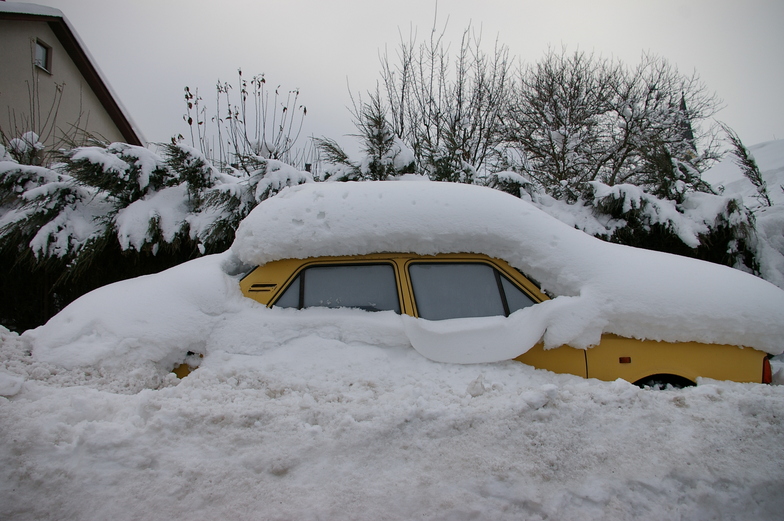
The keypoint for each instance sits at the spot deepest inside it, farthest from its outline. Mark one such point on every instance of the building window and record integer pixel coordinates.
(43, 56)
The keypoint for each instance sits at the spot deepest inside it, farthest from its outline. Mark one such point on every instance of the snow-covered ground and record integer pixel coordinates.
(350, 424)
(330, 414)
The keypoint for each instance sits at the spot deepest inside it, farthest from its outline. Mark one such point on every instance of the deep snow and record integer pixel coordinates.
(339, 422)
(330, 414)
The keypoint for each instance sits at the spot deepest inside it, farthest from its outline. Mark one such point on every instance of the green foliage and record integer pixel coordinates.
(125, 172)
(645, 221)
(378, 139)
(667, 177)
(511, 183)
(190, 167)
(383, 151)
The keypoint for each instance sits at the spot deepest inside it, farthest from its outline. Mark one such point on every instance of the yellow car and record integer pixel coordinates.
(454, 286)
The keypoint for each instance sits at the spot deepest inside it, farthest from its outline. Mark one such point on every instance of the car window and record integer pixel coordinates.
(371, 287)
(516, 299)
(460, 290)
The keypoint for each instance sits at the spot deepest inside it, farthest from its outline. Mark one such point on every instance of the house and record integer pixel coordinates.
(49, 83)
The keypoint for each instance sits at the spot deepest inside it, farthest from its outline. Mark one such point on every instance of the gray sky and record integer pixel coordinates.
(150, 49)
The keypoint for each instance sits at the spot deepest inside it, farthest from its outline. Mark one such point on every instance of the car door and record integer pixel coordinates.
(453, 287)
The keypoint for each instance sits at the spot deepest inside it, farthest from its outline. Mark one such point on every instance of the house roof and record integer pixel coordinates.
(81, 57)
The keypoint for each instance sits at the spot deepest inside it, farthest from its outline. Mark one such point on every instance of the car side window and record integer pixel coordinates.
(460, 290)
(371, 287)
(515, 297)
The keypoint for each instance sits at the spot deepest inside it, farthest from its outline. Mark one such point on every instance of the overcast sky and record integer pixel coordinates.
(150, 49)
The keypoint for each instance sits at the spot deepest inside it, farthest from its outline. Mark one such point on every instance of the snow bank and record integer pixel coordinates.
(615, 289)
(329, 414)
(342, 420)
(154, 321)
(151, 320)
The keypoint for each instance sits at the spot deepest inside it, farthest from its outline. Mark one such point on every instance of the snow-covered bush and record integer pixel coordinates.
(257, 124)
(26, 149)
(710, 227)
(191, 167)
(384, 153)
(756, 175)
(124, 172)
(229, 201)
(114, 211)
(511, 183)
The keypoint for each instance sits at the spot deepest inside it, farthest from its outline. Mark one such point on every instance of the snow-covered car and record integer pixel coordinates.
(477, 275)
(460, 286)
(473, 275)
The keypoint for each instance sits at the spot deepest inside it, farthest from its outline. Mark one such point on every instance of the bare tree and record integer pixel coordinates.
(448, 110)
(576, 118)
(33, 135)
(267, 126)
(557, 119)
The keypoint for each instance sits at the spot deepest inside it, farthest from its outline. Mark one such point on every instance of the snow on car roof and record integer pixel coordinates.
(600, 287)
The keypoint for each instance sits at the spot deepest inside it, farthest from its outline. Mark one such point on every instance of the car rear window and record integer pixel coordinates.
(460, 290)
(371, 287)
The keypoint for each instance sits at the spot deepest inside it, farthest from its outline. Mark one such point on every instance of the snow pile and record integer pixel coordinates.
(602, 287)
(334, 417)
(152, 320)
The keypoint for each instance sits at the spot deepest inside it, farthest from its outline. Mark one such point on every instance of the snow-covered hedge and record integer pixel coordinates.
(104, 206)
(109, 212)
(143, 199)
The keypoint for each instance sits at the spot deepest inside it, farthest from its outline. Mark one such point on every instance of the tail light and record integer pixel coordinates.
(767, 372)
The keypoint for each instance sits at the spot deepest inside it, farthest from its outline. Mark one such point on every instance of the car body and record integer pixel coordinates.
(455, 286)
